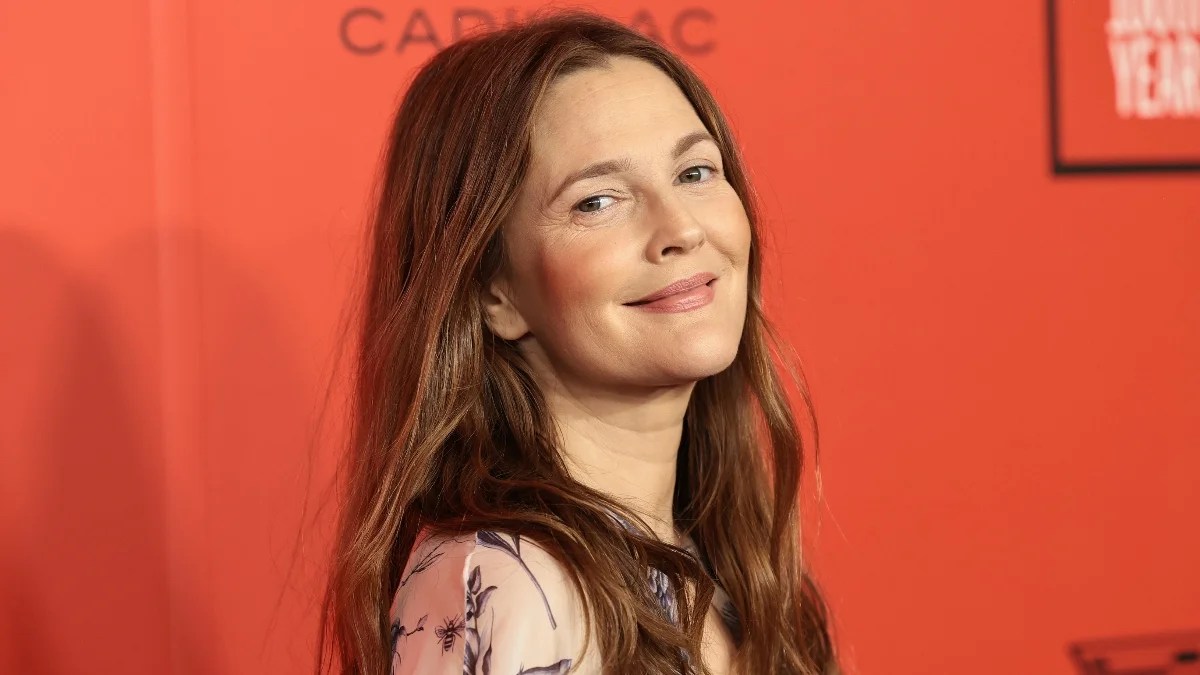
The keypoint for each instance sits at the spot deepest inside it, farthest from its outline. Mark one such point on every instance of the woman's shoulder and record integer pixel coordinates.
(484, 601)
(439, 559)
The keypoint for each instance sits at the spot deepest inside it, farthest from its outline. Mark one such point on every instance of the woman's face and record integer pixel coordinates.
(625, 197)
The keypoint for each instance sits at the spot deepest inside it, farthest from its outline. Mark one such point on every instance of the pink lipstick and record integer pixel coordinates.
(681, 296)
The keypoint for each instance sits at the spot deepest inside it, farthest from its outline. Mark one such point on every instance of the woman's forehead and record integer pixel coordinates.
(627, 108)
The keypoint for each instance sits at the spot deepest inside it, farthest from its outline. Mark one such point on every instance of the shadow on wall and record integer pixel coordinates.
(262, 388)
(84, 565)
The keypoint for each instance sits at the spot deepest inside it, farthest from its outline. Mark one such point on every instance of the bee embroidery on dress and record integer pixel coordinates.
(448, 631)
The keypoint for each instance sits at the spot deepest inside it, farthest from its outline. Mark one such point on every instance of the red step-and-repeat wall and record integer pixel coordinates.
(984, 228)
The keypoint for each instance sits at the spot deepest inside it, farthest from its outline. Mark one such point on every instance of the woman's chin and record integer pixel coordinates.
(694, 364)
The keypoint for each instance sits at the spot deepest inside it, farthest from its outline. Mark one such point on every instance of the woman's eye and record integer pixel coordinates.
(592, 204)
(694, 174)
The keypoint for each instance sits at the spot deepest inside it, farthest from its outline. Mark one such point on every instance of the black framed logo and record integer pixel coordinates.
(1124, 85)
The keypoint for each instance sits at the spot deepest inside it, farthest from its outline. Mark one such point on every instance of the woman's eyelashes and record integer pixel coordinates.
(689, 176)
(592, 204)
(693, 171)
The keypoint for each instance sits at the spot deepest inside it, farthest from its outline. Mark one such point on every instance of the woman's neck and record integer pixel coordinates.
(625, 445)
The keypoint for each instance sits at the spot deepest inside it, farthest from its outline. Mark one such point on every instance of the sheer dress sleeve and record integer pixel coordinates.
(490, 603)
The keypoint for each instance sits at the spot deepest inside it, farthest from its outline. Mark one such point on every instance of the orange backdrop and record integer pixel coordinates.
(1005, 360)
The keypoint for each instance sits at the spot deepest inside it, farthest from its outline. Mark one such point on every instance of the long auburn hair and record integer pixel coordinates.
(449, 431)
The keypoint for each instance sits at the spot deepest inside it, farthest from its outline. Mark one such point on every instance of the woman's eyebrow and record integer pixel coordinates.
(688, 140)
(611, 166)
(603, 168)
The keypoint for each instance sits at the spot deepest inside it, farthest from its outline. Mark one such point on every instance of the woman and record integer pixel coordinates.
(565, 386)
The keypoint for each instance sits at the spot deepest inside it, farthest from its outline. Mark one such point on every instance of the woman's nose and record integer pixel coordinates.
(675, 230)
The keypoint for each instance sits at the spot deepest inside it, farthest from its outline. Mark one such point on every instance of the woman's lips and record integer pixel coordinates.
(683, 301)
(676, 287)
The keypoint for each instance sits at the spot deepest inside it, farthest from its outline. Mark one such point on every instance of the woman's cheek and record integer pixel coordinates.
(737, 233)
(568, 282)
(585, 272)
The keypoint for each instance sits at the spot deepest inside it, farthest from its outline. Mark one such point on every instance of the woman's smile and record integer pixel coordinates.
(685, 295)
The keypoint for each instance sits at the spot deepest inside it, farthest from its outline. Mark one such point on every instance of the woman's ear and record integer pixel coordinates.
(500, 313)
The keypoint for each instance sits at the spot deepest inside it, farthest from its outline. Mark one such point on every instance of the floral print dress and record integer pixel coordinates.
(496, 603)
